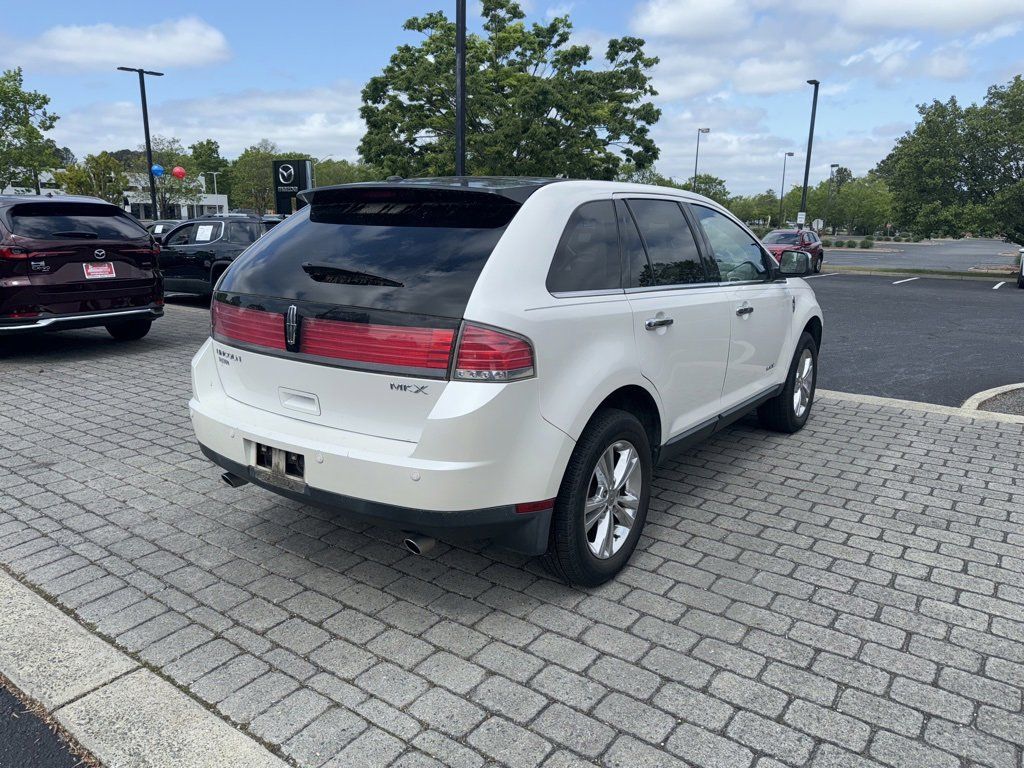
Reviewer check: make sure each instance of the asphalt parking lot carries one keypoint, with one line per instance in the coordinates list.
(943, 255)
(847, 596)
(927, 339)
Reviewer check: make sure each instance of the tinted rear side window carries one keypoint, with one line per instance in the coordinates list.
(90, 221)
(243, 232)
(418, 251)
(671, 246)
(587, 257)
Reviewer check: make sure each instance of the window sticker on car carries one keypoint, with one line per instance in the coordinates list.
(204, 233)
(99, 271)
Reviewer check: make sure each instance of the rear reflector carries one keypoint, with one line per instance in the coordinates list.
(486, 354)
(534, 506)
(251, 326)
(393, 347)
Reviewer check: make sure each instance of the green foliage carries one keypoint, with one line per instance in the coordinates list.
(205, 160)
(956, 171)
(168, 152)
(329, 172)
(24, 151)
(867, 243)
(897, 239)
(251, 175)
(99, 175)
(825, 243)
(709, 186)
(534, 107)
(851, 243)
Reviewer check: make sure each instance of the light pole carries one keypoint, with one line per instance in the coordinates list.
(696, 157)
(145, 126)
(782, 189)
(215, 174)
(315, 164)
(460, 87)
(807, 161)
(831, 175)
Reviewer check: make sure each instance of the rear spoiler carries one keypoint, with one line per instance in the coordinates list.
(447, 190)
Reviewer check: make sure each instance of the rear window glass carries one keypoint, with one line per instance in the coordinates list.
(86, 221)
(587, 257)
(409, 251)
(244, 232)
(781, 238)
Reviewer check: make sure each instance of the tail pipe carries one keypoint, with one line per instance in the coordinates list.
(418, 544)
(233, 480)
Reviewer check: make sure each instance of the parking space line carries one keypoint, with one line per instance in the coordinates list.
(826, 274)
(906, 281)
(997, 286)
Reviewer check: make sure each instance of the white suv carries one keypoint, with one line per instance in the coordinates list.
(501, 358)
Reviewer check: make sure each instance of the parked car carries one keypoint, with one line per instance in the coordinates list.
(779, 240)
(499, 358)
(196, 252)
(161, 227)
(76, 262)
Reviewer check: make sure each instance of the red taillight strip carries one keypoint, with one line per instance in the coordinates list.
(250, 326)
(13, 252)
(487, 354)
(388, 345)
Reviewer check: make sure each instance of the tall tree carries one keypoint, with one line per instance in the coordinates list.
(251, 175)
(206, 160)
(327, 172)
(534, 105)
(99, 175)
(168, 152)
(24, 119)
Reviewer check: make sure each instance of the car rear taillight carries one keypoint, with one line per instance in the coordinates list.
(487, 354)
(392, 347)
(250, 326)
(11, 252)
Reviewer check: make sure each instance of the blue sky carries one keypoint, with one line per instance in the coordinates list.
(241, 72)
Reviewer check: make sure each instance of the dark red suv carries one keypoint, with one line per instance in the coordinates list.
(76, 262)
(780, 240)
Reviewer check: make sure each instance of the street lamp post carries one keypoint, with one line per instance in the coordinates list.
(145, 126)
(460, 87)
(831, 176)
(215, 174)
(315, 164)
(696, 157)
(807, 160)
(782, 189)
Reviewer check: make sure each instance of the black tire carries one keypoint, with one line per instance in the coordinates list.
(817, 264)
(569, 556)
(780, 413)
(1020, 282)
(129, 330)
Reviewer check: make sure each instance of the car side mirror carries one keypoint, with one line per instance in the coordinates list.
(794, 264)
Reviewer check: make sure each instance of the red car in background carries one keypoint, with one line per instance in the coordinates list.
(780, 240)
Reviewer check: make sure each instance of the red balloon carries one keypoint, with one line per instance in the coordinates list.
(178, 172)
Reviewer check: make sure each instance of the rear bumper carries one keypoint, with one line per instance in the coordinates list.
(525, 533)
(473, 462)
(187, 285)
(81, 320)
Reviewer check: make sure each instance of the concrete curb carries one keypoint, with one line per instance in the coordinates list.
(930, 274)
(914, 405)
(974, 401)
(125, 715)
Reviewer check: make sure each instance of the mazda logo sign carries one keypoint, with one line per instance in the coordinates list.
(286, 174)
(99, 253)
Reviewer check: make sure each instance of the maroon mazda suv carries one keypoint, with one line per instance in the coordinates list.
(76, 262)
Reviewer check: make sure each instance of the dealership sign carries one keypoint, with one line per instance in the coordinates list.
(290, 178)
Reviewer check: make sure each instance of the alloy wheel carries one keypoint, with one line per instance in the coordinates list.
(803, 384)
(613, 498)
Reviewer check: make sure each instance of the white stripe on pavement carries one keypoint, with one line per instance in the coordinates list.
(906, 281)
(826, 274)
(997, 286)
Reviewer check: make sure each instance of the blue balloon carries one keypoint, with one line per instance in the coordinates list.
(158, 170)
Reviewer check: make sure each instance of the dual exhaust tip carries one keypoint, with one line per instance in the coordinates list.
(414, 542)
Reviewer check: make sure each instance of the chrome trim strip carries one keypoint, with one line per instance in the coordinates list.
(47, 321)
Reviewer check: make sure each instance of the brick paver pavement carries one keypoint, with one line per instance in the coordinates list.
(850, 596)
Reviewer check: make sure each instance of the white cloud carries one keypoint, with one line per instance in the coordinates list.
(321, 121)
(692, 19)
(997, 32)
(186, 42)
(941, 15)
(947, 63)
(774, 74)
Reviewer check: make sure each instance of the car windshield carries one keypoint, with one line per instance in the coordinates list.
(781, 238)
(87, 221)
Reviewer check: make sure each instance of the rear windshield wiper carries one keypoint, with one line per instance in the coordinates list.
(73, 233)
(325, 273)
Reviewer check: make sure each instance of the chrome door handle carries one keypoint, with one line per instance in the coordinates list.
(744, 311)
(657, 322)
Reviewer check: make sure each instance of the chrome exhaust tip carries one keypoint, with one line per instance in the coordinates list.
(234, 480)
(419, 545)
